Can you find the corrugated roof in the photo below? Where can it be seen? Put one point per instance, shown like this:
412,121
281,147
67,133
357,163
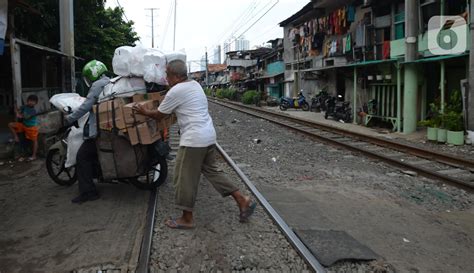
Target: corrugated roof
216,67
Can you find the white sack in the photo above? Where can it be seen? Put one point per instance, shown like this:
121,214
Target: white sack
175,55
121,60
122,87
154,63
73,100
136,61
75,140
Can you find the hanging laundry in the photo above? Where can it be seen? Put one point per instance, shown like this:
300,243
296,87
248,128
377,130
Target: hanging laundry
359,37
350,13
348,43
318,40
386,50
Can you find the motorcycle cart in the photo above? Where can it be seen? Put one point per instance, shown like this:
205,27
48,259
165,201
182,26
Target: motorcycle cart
144,166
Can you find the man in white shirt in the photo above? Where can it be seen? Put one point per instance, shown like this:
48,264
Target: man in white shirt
197,146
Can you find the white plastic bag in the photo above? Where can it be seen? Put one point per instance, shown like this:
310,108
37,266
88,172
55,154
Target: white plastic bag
154,63
75,140
123,87
470,136
175,55
136,61
121,60
73,100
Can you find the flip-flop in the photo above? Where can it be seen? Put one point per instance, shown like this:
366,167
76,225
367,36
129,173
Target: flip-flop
175,225
244,215
21,159
31,159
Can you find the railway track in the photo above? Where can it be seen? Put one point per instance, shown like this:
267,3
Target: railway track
294,240
447,168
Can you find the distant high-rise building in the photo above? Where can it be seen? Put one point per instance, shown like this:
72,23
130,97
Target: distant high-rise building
227,46
242,44
217,55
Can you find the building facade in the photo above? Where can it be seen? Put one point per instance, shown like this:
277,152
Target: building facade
359,49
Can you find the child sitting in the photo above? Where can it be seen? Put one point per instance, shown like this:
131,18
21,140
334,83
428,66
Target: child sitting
26,116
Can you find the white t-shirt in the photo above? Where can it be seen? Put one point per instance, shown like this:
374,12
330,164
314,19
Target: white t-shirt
188,101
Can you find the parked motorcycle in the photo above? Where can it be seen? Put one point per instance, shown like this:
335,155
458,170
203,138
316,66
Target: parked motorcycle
149,174
318,102
297,103
338,109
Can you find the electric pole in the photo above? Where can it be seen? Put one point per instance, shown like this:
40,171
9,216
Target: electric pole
174,28
207,71
152,26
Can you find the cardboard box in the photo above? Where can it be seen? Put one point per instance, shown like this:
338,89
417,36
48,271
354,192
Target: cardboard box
158,96
144,133
132,117
107,110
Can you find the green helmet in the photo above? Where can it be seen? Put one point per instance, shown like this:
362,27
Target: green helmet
93,70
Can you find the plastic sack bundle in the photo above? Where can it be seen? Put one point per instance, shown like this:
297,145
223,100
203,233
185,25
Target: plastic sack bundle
175,55
136,61
121,60
74,141
73,100
154,63
122,87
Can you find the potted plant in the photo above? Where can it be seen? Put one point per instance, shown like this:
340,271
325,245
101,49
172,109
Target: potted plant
453,119
455,126
432,122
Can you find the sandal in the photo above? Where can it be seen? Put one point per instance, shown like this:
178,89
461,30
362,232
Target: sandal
245,214
29,159
21,159
171,223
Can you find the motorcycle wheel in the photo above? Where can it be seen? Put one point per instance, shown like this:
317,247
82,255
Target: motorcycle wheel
283,106
326,115
305,106
154,178
57,171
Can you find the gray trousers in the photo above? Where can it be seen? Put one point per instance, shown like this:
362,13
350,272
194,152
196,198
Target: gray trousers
190,163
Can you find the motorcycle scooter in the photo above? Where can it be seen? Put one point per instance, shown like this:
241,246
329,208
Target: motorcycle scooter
152,174
297,103
338,109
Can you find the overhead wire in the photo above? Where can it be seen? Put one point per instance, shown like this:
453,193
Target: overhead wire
168,20
123,10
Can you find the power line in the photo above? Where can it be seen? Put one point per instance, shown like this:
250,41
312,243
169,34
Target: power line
168,19
123,11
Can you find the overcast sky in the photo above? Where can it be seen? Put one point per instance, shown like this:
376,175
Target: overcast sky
207,23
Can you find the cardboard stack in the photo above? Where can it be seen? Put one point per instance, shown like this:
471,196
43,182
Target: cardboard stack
118,113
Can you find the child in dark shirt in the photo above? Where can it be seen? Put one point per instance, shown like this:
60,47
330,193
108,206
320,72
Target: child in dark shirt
28,125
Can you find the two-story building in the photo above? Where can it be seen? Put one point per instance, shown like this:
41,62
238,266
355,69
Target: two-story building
270,76
243,67
360,50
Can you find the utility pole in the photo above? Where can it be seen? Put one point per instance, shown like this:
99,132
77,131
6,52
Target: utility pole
410,97
152,26
207,71
66,26
470,91
174,28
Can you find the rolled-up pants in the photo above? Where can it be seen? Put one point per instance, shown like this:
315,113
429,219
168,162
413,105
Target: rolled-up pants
190,163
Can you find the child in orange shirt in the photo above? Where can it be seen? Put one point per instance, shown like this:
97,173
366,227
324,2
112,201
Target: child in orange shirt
28,124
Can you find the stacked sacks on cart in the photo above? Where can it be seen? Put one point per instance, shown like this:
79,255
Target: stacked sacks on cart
137,68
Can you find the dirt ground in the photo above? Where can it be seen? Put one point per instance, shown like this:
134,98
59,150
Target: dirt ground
42,231
416,224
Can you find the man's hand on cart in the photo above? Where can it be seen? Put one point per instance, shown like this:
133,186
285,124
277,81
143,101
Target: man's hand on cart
140,109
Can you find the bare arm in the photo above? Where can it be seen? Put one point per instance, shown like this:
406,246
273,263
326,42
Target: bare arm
155,114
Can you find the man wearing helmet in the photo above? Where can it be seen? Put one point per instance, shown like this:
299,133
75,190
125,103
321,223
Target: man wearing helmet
94,75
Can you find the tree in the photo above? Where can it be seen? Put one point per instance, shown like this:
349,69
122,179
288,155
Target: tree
98,31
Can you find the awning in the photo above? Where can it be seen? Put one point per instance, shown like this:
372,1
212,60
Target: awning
437,58
271,76
372,62
44,48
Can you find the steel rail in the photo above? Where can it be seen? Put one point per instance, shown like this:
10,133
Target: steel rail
422,171
287,231
405,148
145,250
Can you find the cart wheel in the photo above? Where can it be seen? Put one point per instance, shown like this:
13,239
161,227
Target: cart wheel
154,178
56,170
